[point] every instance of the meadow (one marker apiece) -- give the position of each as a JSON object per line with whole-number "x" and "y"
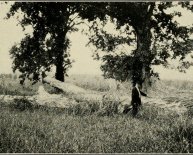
{"x": 27, "y": 128}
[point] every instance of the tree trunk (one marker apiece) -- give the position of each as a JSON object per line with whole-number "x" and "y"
{"x": 59, "y": 75}
{"x": 61, "y": 48}
{"x": 142, "y": 57}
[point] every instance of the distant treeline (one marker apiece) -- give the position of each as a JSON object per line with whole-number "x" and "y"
{"x": 11, "y": 76}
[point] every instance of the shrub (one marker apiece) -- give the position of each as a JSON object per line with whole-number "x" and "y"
{"x": 22, "y": 104}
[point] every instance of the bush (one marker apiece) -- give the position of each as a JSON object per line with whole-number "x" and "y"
{"x": 22, "y": 104}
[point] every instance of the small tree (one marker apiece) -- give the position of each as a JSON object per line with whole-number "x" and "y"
{"x": 48, "y": 45}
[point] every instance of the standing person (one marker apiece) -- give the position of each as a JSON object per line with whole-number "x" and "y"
{"x": 136, "y": 98}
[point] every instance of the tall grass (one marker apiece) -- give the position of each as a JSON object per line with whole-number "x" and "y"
{"x": 48, "y": 130}
{"x": 93, "y": 82}
{"x": 179, "y": 84}
{"x": 9, "y": 86}
{"x": 84, "y": 128}
{"x": 159, "y": 88}
{"x": 98, "y": 83}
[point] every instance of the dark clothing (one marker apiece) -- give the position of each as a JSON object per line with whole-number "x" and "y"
{"x": 136, "y": 96}
{"x": 136, "y": 100}
{"x": 126, "y": 109}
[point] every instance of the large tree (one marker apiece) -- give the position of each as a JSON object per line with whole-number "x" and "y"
{"x": 47, "y": 45}
{"x": 153, "y": 31}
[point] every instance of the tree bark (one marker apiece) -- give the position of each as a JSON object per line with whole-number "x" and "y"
{"x": 59, "y": 75}
{"x": 144, "y": 52}
{"x": 61, "y": 48}
{"x": 142, "y": 55}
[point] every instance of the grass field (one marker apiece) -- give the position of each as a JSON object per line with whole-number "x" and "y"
{"x": 28, "y": 128}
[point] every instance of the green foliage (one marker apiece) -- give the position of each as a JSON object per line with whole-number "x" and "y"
{"x": 123, "y": 68}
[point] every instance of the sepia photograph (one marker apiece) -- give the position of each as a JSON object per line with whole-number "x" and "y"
{"x": 96, "y": 77}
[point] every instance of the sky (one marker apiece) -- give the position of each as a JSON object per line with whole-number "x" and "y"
{"x": 11, "y": 33}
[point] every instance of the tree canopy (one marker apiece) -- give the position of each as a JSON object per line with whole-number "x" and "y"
{"x": 147, "y": 26}
{"x": 151, "y": 29}
{"x": 48, "y": 45}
